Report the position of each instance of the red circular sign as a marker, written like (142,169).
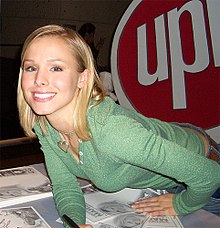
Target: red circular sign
(165,60)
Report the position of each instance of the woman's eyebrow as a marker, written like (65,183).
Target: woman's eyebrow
(28,60)
(55,60)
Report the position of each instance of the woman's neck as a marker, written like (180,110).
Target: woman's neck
(62,120)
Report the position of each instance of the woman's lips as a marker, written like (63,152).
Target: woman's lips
(43,97)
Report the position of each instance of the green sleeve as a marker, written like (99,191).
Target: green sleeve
(66,190)
(128,141)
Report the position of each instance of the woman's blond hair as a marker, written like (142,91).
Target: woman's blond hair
(92,90)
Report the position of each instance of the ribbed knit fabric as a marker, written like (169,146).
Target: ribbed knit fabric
(130,150)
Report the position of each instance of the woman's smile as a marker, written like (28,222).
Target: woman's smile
(43,96)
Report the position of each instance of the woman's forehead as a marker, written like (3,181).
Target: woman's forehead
(50,45)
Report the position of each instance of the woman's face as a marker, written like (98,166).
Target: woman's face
(50,79)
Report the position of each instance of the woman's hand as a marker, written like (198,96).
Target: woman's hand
(156,206)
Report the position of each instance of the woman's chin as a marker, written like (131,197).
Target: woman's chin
(42,112)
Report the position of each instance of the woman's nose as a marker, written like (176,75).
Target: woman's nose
(41,79)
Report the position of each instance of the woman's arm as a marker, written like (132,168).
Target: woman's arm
(66,190)
(135,145)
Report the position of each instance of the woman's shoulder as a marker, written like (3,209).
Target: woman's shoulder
(101,112)
(108,113)
(40,132)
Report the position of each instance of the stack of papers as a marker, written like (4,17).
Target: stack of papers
(22,184)
(111,210)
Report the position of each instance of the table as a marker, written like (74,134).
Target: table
(46,207)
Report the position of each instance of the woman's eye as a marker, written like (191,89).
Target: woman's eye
(56,68)
(30,69)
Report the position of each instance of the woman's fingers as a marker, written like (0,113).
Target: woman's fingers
(156,206)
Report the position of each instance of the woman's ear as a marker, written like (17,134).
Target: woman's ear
(83,78)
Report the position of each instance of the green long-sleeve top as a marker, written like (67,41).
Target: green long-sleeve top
(129,150)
